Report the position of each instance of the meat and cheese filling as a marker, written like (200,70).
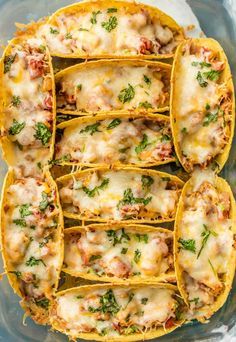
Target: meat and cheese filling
(28,104)
(31,240)
(202,104)
(134,140)
(128,194)
(115,311)
(113,86)
(205,242)
(111,28)
(116,252)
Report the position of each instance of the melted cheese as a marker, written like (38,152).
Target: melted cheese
(106,203)
(97,252)
(119,144)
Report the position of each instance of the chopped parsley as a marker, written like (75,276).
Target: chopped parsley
(210,117)
(141,238)
(79,86)
(45,241)
(115,239)
(94,257)
(123,150)
(42,48)
(212,267)
(144,301)
(20,222)
(108,304)
(83,29)
(95,190)
(143,144)
(188,245)
(112,10)
(165,137)
(91,129)
(124,250)
(201,80)
(126,94)
(16,101)
(147,182)
(212,75)
(93,19)
(205,234)
(61,160)
(129,198)
(137,255)
(145,105)
(24,210)
(42,133)
(53,31)
(32,261)
(110,24)
(8,61)
(16,127)
(131,330)
(68,36)
(201,64)
(147,80)
(184,130)
(44,203)
(114,123)
(194,300)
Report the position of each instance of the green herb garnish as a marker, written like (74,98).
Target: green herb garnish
(188,245)
(16,101)
(94,257)
(95,191)
(126,94)
(91,129)
(143,144)
(32,261)
(137,255)
(129,198)
(42,133)
(20,222)
(147,182)
(8,61)
(114,123)
(93,20)
(110,24)
(16,127)
(147,80)
(53,31)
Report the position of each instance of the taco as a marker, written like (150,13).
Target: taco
(118,312)
(106,86)
(116,252)
(130,194)
(204,245)
(202,107)
(115,139)
(108,29)
(28,107)
(31,238)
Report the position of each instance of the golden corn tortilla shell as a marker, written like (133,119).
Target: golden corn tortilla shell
(91,119)
(9,147)
(63,180)
(169,276)
(130,7)
(159,331)
(207,312)
(226,77)
(165,69)
(37,313)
